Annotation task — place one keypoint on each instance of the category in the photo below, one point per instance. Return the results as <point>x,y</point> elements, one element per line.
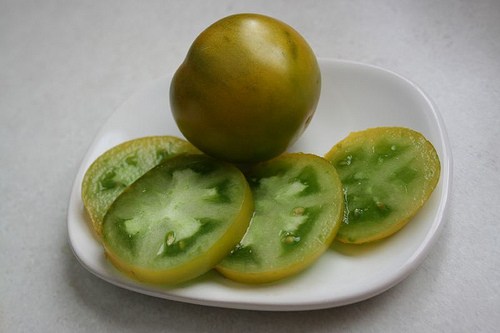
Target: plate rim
<point>410,264</point>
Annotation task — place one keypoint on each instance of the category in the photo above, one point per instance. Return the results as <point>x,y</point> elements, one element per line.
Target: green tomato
<point>247,88</point>
<point>298,210</point>
<point>178,220</point>
<point>388,173</point>
<point>120,166</point>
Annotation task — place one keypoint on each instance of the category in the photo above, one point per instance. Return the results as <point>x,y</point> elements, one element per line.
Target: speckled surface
<point>66,65</point>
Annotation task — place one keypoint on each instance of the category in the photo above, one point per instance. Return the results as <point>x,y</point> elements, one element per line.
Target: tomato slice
<point>298,210</point>
<point>178,220</point>
<point>120,166</point>
<point>388,173</point>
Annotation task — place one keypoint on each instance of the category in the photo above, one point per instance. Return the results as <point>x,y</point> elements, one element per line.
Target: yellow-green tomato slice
<point>178,220</point>
<point>298,210</point>
<point>120,166</point>
<point>388,173</point>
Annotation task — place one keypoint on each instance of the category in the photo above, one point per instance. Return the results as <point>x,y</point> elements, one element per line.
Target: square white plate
<point>354,97</point>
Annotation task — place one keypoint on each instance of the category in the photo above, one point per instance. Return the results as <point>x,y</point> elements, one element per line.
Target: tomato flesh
<point>120,166</point>
<point>178,220</point>
<point>388,173</point>
<point>298,209</point>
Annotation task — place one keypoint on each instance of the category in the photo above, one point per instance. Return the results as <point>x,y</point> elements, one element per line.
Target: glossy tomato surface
<point>247,88</point>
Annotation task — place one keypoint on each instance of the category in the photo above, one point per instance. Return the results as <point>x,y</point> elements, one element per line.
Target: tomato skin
<point>247,89</point>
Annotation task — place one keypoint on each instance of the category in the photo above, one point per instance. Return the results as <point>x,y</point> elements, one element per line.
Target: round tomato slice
<point>120,166</point>
<point>298,209</point>
<point>178,220</point>
<point>388,173</point>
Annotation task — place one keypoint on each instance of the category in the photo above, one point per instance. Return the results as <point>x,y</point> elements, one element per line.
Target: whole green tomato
<point>247,88</point>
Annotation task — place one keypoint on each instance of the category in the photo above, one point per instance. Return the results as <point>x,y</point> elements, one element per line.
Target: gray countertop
<point>65,66</point>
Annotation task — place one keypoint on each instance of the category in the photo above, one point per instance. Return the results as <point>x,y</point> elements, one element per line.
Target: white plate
<point>354,97</point>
